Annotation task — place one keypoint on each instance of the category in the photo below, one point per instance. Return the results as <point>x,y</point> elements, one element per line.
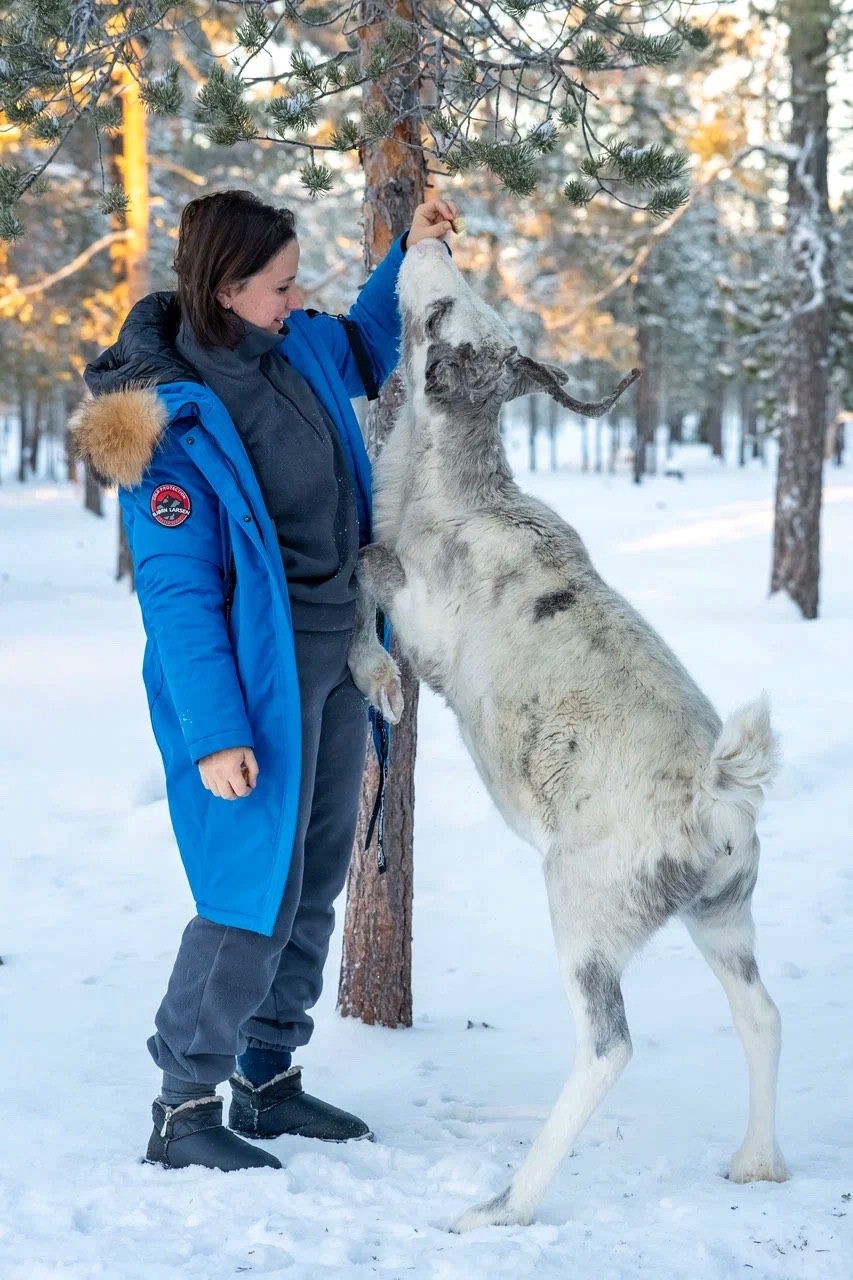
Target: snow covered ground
<point>92,903</point>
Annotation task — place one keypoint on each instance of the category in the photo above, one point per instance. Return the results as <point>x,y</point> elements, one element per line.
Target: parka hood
<point>117,431</point>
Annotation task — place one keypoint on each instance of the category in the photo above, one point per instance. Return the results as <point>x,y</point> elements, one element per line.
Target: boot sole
<point>294,1133</point>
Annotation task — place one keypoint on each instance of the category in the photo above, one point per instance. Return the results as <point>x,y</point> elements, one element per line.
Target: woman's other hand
<point>230,774</point>
<point>432,221</point>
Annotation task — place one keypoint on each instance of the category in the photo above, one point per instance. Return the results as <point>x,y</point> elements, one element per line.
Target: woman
<point>223,414</point>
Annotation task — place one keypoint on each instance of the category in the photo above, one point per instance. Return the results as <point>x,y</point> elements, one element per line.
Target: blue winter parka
<point>219,665</point>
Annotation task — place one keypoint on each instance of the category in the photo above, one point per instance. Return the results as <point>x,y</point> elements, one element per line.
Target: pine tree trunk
<point>838,442</point>
<point>23,433</point>
<point>132,162</point>
<point>649,350</point>
<point>714,422</point>
<point>613,447</point>
<point>376,967</point>
<point>532,430</point>
<point>748,421</point>
<point>68,399</point>
<point>803,365</point>
<point>92,495</point>
<point>35,433</point>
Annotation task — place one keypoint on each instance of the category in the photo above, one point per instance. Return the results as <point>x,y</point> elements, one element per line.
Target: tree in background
<point>520,99</point>
<point>803,373</point>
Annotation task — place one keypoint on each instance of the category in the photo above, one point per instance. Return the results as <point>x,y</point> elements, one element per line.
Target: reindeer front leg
<point>379,576</point>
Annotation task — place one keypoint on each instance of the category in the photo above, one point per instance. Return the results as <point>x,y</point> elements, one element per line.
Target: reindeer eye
<point>439,311</point>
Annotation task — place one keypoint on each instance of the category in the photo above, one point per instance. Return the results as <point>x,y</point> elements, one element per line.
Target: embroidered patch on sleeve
<point>170,505</point>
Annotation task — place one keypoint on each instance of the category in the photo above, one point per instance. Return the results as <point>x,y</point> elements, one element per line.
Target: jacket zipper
<point>231,575</point>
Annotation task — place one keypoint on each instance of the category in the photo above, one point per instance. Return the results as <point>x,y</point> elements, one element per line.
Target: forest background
<point>661,184</point>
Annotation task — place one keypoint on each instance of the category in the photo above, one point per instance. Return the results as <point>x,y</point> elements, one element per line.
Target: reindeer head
<point>457,351</point>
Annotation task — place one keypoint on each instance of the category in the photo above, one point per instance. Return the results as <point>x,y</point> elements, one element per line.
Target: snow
<point>94,902</point>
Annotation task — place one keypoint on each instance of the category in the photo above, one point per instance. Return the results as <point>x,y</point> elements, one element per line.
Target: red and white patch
<point>170,505</point>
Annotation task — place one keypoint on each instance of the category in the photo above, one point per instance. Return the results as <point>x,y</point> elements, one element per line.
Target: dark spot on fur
<point>743,964</point>
<point>573,746</point>
<point>733,894</point>
<point>554,602</point>
<point>598,641</point>
<point>578,803</point>
<point>454,554</point>
<point>380,567</point>
<point>499,1202</point>
<point>502,581</point>
<point>599,982</point>
<point>659,894</point>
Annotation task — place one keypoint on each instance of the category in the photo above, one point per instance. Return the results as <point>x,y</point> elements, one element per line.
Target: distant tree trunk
<point>748,421</point>
<point>553,428</point>
<point>376,967</point>
<point>23,433</point>
<point>838,441</point>
<point>676,428</point>
<point>532,430</point>
<point>67,403</point>
<point>584,425</point>
<point>599,431</point>
<point>132,162</point>
<point>803,365</point>
<point>714,421</point>
<point>92,495</point>
<point>649,350</point>
<point>35,431</point>
<point>613,447</point>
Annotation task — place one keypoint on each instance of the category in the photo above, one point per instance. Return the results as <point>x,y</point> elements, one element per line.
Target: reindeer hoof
<point>497,1212</point>
<point>391,702</point>
<point>751,1165</point>
<point>381,684</point>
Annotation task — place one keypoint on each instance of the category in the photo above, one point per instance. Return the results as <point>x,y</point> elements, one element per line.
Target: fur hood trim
<point>116,434</point>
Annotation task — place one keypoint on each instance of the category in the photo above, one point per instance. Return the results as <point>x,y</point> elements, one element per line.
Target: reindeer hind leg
<point>722,928</point>
<point>591,972</point>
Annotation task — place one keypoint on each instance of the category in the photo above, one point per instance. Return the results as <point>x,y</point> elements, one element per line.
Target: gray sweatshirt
<point>296,454</point>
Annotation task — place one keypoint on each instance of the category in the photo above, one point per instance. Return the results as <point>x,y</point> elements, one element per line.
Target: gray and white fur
<point>593,740</point>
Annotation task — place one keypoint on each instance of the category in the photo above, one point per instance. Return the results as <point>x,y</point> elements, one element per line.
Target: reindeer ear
<point>529,375</point>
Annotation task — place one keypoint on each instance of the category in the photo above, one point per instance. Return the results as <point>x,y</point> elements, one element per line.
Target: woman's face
<point>267,298</point>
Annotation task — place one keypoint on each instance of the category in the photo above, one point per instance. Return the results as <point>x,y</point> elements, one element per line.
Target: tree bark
<point>649,350</point>
<point>35,433</point>
<point>553,429</point>
<point>376,968</point>
<point>748,422</point>
<point>803,365</point>
<point>532,430</point>
<point>613,446</point>
<point>23,433</point>
<point>714,421</point>
<point>92,496</point>
<point>132,162</point>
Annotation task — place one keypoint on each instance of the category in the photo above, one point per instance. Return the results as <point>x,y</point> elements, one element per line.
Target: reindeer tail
<point>744,761</point>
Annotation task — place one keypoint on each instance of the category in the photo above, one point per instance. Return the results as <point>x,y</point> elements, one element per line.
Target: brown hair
<point>224,238</point>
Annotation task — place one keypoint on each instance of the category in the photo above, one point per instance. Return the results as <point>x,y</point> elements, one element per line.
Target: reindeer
<point>595,743</point>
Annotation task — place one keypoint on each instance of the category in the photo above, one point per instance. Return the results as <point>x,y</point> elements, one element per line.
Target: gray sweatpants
<point>231,988</point>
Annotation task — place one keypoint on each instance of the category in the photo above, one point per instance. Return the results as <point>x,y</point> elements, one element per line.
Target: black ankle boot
<point>193,1134</point>
<point>281,1106</point>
